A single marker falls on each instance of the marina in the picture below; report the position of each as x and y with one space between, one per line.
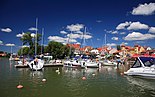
71 82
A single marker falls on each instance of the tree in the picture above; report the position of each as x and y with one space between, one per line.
57 50
30 40
118 47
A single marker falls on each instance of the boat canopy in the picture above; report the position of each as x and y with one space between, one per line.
144 62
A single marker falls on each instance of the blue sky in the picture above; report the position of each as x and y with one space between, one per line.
123 21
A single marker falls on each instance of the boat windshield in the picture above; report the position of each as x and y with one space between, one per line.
148 61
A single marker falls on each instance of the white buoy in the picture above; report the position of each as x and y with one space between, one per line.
44 80
93 74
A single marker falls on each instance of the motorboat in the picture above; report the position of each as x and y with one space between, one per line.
109 63
36 64
72 63
143 66
90 64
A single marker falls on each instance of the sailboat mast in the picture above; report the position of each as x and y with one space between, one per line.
105 39
42 44
36 36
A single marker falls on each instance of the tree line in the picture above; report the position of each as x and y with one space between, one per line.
55 49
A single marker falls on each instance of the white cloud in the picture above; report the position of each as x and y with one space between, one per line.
63 32
61 39
137 26
138 36
152 29
123 25
6 30
20 35
124 43
1 42
114 32
87 36
114 38
123 33
33 35
111 44
9 44
144 9
74 36
76 27
33 29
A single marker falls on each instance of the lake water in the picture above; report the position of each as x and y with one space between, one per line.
104 82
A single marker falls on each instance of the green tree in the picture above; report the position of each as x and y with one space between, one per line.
57 50
24 51
118 47
30 40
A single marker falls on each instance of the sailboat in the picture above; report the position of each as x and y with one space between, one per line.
107 62
36 64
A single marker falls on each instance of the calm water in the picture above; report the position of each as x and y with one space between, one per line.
104 82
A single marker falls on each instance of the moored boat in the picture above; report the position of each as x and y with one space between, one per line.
143 66
36 64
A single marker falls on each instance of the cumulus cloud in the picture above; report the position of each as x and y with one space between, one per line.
138 36
33 29
125 43
144 9
87 36
20 35
74 35
123 25
114 32
123 33
111 44
6 30
1 42
9 44
33 35
152 29
76 27
114 38
137 26
61 39
63 32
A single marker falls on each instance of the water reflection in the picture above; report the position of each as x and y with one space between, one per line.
141 82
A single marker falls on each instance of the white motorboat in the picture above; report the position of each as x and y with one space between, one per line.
143 66
36 65
109 63
72 63
90 64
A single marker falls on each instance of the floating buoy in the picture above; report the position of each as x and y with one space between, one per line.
20 86
83 78
93 74
44 80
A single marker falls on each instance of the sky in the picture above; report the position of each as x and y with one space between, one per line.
86 22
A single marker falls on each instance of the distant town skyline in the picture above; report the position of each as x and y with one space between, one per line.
126 22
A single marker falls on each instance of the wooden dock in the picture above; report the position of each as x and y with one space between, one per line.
45 65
